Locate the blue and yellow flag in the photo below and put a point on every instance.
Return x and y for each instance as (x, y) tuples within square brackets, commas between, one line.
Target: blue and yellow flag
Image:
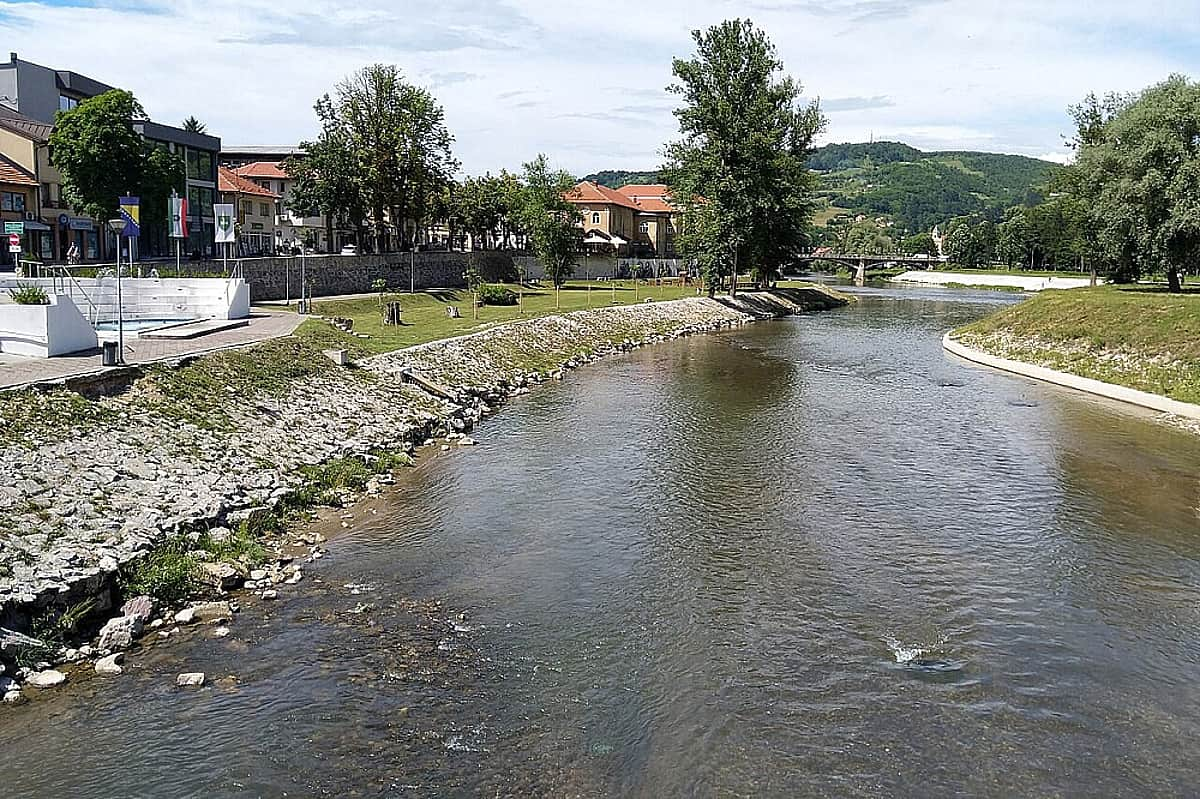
[(129, 212)]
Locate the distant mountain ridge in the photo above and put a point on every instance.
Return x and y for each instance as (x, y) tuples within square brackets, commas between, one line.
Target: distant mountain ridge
[(916, 189)]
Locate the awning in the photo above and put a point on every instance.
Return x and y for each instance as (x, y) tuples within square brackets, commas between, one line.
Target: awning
[(38, 226)]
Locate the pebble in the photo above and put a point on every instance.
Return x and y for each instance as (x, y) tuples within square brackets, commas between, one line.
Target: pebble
[(192, 679)]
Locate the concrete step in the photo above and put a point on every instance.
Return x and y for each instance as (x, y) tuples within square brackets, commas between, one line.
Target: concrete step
[(195, 329)]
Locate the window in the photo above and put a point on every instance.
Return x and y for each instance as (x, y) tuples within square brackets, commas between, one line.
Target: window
[(264, 209), (200, 201), (205, 162), (245, 208), (12, 201), (595, 217), (66, 103), (645, 227), (193, 164)]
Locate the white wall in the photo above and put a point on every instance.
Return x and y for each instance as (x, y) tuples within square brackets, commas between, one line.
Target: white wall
[(42, 331), (147, 298)]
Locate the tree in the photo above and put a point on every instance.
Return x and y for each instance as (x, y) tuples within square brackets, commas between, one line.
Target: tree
[(970, 242), (383, 153), (740, 170), (193, 125), (551, 222), (98, 153), (1014, 238), (1137, 172), (920, 244)]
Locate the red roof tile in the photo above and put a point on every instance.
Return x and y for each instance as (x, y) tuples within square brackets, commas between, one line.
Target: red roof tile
[(587, 192), (230, 183), (14, 174), (262, 169), (652, 197)]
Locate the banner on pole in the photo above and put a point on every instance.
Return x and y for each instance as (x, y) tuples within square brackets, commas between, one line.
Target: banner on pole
[(179, 211), (226, 232), (130, 213)]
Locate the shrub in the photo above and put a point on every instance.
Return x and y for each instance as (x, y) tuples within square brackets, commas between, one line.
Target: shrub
[(492, 294), (29, 294)]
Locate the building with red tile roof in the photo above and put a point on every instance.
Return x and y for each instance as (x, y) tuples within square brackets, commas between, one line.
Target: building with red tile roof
[(636, 220), (257, 212)]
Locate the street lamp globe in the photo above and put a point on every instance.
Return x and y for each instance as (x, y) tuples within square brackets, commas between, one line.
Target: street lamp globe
[(116, 225)]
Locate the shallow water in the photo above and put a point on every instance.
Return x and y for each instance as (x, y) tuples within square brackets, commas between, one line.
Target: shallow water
[(813, 556)]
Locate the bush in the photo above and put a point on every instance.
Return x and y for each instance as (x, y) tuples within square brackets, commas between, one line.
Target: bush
[(29, 294), (492, 294)]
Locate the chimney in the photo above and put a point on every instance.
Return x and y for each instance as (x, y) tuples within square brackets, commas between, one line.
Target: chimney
[(12, 58)]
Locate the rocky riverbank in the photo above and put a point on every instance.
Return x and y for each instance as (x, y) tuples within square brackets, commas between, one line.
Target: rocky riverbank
[(163, 498)]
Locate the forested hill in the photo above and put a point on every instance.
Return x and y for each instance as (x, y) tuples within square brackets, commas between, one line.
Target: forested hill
[(918, 190)]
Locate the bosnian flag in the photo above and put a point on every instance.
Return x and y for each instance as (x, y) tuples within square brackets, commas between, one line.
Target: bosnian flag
[(179, 210)]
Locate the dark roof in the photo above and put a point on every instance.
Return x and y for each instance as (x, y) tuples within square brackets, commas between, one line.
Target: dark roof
[(160, 132), (24, 126)]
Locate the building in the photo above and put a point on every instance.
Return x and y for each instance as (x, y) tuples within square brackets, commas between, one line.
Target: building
[(18, 198), (636, 221), (240, 155), (38, 93), (257, 212), (292, 229), (24, 142)]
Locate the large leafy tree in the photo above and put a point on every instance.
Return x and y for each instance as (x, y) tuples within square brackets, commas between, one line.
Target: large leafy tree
[(1137, 172), (739, 170), (99, 154), (550, 222)]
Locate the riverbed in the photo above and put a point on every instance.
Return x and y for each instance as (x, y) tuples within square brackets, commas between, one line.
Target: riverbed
[(808, 556)]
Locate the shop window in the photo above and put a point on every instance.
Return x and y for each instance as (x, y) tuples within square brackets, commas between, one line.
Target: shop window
[(12, 201)]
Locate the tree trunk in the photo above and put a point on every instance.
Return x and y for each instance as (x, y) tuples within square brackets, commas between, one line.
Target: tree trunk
[(1174, 284)]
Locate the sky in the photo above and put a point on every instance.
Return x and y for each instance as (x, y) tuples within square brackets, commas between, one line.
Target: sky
[(585, 82)]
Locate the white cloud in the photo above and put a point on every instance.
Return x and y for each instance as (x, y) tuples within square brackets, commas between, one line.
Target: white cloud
[(585, 82)]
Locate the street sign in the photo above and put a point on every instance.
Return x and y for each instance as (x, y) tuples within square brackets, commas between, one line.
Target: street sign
[(14, 242), (14, 227), (130, 213)]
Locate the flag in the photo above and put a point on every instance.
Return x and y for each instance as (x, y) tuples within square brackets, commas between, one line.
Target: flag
[(226, 232), (129, 212), (179, 212)]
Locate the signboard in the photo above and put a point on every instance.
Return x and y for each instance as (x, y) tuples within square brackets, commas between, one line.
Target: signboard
[(178, 213), (14, 242), (226, 231), (79, 223), (130, 212), (14, 227)]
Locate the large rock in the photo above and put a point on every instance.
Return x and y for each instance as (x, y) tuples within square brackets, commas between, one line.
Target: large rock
[(221, 576), (110, 664), (212, 612), (46, 679), (140, 607), (120, 632), (190, 680)]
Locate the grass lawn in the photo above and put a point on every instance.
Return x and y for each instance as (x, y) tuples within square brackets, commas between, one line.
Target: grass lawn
[(823, 217), (1137, 336), (425, 317)]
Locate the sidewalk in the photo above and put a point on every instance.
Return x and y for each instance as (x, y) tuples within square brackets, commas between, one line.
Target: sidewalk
[(17, 372)]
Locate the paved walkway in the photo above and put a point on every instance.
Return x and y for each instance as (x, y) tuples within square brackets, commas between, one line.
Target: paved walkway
[(16, 371)]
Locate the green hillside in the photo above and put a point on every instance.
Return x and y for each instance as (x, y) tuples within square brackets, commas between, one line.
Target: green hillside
[(616, 178), (918, 190)]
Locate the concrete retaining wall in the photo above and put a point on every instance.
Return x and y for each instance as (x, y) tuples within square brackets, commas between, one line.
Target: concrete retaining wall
[(279, 278), (1155, 402)]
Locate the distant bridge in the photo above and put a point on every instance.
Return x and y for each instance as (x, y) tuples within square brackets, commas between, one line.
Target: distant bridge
[(859, 262)]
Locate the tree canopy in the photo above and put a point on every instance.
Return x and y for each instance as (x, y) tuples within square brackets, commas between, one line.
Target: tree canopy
[(1137, 176), (548, 219), (739, 169)]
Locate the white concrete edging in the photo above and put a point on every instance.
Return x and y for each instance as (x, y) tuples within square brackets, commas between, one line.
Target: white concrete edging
[(1145, 399)]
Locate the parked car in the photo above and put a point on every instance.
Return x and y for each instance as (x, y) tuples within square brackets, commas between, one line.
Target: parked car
[(349, 249)]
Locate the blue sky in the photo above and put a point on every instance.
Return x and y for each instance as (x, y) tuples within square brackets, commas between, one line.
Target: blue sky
[(584, 82)]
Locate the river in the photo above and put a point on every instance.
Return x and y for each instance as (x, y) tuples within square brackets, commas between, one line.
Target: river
[(811, 557)]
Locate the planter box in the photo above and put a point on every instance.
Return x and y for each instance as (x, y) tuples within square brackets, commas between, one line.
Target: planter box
[(42, 331)]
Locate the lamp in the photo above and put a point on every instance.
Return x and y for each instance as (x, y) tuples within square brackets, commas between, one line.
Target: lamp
[(118, 227)]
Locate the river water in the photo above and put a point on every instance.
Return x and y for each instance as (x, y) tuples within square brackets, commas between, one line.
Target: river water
[(815, 556)]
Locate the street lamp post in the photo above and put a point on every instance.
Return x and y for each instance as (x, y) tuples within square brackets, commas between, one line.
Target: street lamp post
[(118, 226)]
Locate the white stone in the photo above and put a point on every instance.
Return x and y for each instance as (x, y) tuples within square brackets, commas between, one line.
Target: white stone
[(120, 632), (192, 679), (110, 664), (46, 679), (185, 616)]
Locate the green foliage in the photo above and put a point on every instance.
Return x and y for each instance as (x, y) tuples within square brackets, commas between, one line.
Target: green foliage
[(1137, 175), (243, 543), (616, 178), (168, 573), (193, 125), (493, 294), (739, 168), (383, 151), (99, 154), (970, 242), (919, 190), (549, 220), (920, 244), (29, 294)]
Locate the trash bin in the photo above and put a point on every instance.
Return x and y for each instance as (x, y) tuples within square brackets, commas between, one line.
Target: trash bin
[(111, 356)]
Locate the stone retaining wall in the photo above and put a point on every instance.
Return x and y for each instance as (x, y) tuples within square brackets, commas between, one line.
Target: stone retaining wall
[(279, 278)]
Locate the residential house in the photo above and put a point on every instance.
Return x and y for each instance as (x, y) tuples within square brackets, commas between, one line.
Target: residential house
[(293, 230), (18, 195), (635, 221), (39, 93), (257, 212), (25, 142)]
